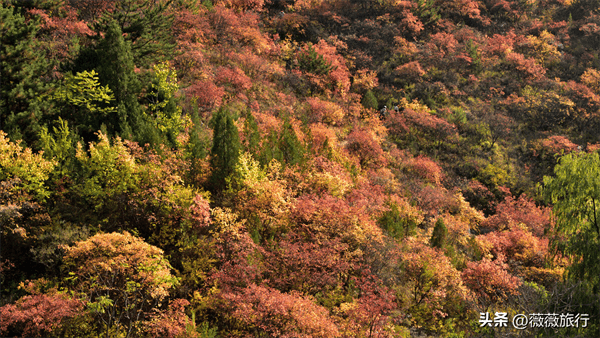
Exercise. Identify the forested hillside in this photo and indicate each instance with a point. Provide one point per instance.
(308, 168)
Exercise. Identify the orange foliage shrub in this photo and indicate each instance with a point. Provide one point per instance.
(432, 280)
(206, 94)
(559, 144)
(243, 5)
(427, 169)
(200, 213)
(338, 78)
(591, 78)
(364, 80)
(436, 200)
(172, 323)
(257, 66)
(192, 32)
(362, 144)
(321, 134)
(327, 176)
(133, 275)
(462, 8)
(513, 211)
(499, 45)
(410, 23)
(518, 244)
(305, 264)
(369, 198)
(441, 45)
(331, 217)
(59, 30)
(489, 280)
(411, 71)
(238, 29)
(266, 310)
(234, 77)
(325, 111)
(526, 66)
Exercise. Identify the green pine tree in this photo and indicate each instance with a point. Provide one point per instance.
(147, 25)
(440, 233)
(252, 134)
(197, 146)
(370, 101)
(117, 69)
(313, 62)
(397, 225)
(23, 67)
(271, 150)
(225, 148)
(291, 147)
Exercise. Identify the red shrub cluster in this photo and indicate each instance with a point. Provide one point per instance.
(411, 71)
(557, 144)
(519, 244)
(489, 280)
(304, 265)
(362, 144)
(260, 309)
(38, 314)
(206, 93)
(199, 212)
(427, 169)
(325, 111)
(234, 77)
(526, 66)
(330, 217)
(411, 24)
(60, 30)
(523, 210)
(172, 323)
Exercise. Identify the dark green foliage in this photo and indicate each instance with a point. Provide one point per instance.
(285, 147)
(473, 52)
(225, 149)
(271, 150)
(252, 142)
(291, 147)
(116, 68)
(440, 234)
(396, 224)
(198, 144)
(312, 62)
(369, 101)
(23, 67)
(147, 27)
(428, 11)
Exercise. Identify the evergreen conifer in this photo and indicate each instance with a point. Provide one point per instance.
(440, 233)
(370, 101)
(23, 67)
(225, 148)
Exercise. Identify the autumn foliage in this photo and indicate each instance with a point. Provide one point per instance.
(309, 168)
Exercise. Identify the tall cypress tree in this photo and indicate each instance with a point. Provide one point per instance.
(369, 100)
(117, 69)
(290, 145)
(23, 67)
(147, 25)
(225, 148)
(252, 134)
(440, 233)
